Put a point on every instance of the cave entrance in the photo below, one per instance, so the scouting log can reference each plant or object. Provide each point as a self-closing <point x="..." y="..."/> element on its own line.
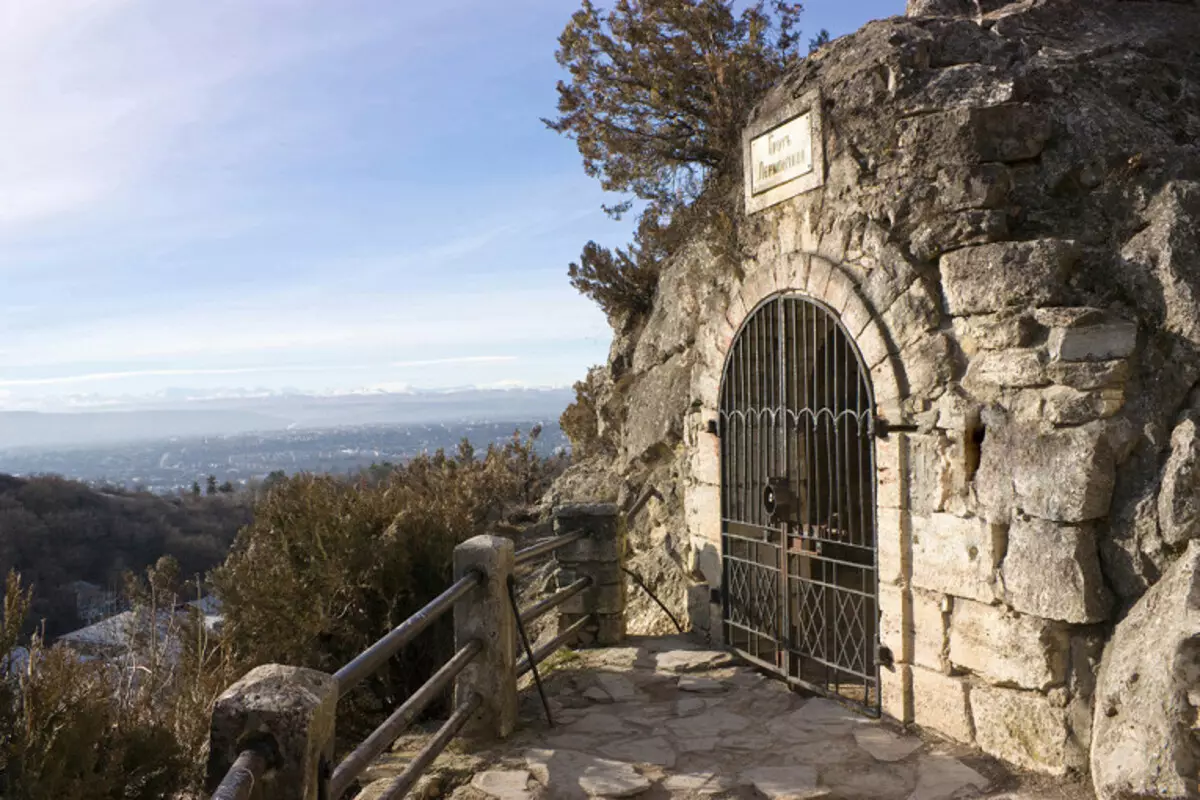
<point x="798" y="540"/>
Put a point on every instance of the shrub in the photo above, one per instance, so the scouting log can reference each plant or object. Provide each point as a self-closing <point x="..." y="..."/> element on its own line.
<point x="329" y="566"/>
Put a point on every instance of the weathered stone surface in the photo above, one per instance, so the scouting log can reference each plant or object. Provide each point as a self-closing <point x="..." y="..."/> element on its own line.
<point x="701" y="685"/>
<point x="1065" y="475"/>
<point x="884" y="745"/>
<point x="1098" y="342"/>
<point x="1062" y="405"/>
<point x="714" y="722"/>
<point x="1006" y="133"/>
<point x="785" y="783"/>
<point x="940" y="777"/>
<point x="991" y="277"/>
<point x="503" y="784"/>
<point x="1025" y="729"/>
<point x="692" y="660"/>
<point x="1053" y="571"/>
<point x="296" y="706"/>
<point x="1012" y="328"/>
<point x="1179" y="497"/>
<point x="654" y="750"/>
<point x="941" y="8"/>
<point x="578" y="775"/>
<point x="701" y="783"/>
<point x="956" y="556"/>
<point x="1002" y="369"/>
<point x="1085" y="375"/>
<point x="1143" y="733"/>
<point x="1017" y="650"/>
<point x="658" y="396"/>
<point x="940" y="704"/>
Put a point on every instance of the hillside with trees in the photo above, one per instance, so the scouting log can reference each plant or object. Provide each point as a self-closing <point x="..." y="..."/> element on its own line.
<point x="55" y="532"/>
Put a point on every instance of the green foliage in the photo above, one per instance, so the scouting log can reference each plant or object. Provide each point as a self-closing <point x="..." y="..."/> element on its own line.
<point x="329" y="566"/>
<point x="818" y="41"/>
<point x="659" y="91"/>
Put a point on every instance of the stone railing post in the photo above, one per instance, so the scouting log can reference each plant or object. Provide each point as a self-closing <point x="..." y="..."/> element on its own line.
<point x="486" y="615"/>
<point x="597" y="556"/>
<point x="286" y="714"/>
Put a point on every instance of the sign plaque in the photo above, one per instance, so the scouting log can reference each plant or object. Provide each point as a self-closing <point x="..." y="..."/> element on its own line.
<point x="783" y="154"/>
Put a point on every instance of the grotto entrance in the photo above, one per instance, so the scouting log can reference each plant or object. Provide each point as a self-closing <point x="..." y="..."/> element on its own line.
<point x="798" y="538"/>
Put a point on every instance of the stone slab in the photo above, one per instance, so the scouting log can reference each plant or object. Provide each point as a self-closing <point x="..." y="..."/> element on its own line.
<point x="785" y="783"/>
<point x="1014" y="649"/>
<point x="883" y="745"/>
<point x="503" y="784"/>
<point x="940" y="777"/>
<point x="577" y="775"/>
<point x="692" y="660"/>
<point x="653" y="750"/>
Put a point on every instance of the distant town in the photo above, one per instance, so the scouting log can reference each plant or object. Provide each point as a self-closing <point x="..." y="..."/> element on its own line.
<point x="176" y="464"/>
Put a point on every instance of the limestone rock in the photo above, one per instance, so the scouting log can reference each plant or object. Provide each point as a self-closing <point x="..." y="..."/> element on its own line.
<point x="940" y="703"/>
<point x="884" y="745"/>
<point x="654" y="750"/>
<point x="1179" y="497"/>
<point x="1025" y="729"/>
<point x="956" y="556"/>
<point x="1008" y="648"/>
<point x="692" y="660"/>
<point x="578" y="775"/>
<point x="991" y="277"/>
<point x="1098" y="342"/>
<point x="701" y="783"/>
<point x="1065" y="475"/>
<point x="940" y="777"/>
<point x="657" y="395"/>
<point x="785" y="783"/>
<point x="503" y="784"/>
<point x="1053" y="571"/>
<point x="1143" y="736"/>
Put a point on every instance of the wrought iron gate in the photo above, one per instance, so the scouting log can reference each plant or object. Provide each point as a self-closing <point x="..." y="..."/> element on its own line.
<point x="798" y="501"/>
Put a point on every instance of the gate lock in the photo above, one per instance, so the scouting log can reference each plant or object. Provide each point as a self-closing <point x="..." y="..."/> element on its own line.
<point x="778" y="501"/>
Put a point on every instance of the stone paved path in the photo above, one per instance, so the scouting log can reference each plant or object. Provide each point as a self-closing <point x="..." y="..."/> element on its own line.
<point x="666" y="719"/>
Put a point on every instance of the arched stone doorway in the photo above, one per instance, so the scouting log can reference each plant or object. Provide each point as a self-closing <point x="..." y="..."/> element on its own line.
<point x="797" y="476"/>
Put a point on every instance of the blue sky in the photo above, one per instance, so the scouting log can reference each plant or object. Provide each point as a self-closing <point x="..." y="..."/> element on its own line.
<point x="293" y="193"/>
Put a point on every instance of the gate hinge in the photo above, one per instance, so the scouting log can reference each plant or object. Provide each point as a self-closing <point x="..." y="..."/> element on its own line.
<point x="884" y="657"/>
<point x="716" y="596"/>
<point x="883" y="428"/>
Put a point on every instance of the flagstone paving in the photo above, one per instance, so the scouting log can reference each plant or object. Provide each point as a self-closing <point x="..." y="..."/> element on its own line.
<point x="665" y="718"/>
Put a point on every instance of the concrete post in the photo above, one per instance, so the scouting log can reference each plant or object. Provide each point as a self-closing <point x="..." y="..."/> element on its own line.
<point x="286" y="713"/>
<point x="598" y="556"/>
<point x="486" y="614"/>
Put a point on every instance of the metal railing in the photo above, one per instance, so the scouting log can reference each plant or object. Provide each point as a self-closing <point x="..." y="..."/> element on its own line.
<point x="252" y="764"/>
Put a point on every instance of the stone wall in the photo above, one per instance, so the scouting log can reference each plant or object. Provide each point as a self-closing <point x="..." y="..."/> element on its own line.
<point x="1009" y="226"/>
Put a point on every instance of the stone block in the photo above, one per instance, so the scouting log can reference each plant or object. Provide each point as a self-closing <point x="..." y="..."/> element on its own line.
<point x="1053" y="571"/>
<point x="1004" y="330"/>
<point x="1102" y="342"/>
<point x="884" y="380"/>
<point x="931" y="479"/>
<point x="956" y="556"/>
<point x="818" y="277"/>
<point x="947" y="232"/>
<point x="895" y="622"/>
<point x="702" y="512"/>
<point x="989" y="277"/>
<point x="929" y="365"/>
<point x="1179" y="495"/>
<point x="977" y="186"/>
<point x="855" y="315"/>
<point x="1007" y="648"/>
<point x="838" y="291"/>
<point x="1001" y="133"/>
<point x="891" y="489"/>
<point x="893" y="553"/>
<point x="1025" y="729"/>
<point x="896" y="693"/>
<point x="1084" y="375"/>
<point x="913" y="314"/>
<point x="1005" y="369"/>
<point x="941" y="704"/>
<point x="959" y="86"/>
<point x="873" y="345"/>
<point x="1062" y="405"/>
<point x="1065" y="475"/>
<point x="291" y="711"/>
<point x="929" y="629"/>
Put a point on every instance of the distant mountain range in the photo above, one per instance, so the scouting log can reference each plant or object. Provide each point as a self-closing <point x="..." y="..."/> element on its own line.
<point x="235" y="415"/>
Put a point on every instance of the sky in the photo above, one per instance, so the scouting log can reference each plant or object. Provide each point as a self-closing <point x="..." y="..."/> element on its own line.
<point x="293" y="195"/>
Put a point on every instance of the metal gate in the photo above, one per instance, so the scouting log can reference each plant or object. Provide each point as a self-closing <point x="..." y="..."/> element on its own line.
<point x="798" y="501"/>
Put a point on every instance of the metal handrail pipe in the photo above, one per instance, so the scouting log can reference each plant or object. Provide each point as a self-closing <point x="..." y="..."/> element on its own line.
<point x="378" y="654"/>
<point x="239" y="781"/>
<point x="382" y="737"/>
<point x="528" y="615"/>
<point x="547" y="546"/>
<point x="543" y="651"/>
<point x="432" y="749"/>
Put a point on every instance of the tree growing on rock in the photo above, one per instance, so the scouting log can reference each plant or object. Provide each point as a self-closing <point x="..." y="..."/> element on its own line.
<point x="657" y="95"/>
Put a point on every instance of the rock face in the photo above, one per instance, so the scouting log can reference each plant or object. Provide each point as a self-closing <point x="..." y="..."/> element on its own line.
<point x="1008" y="226"/>
<point x="1147" y="738"/>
